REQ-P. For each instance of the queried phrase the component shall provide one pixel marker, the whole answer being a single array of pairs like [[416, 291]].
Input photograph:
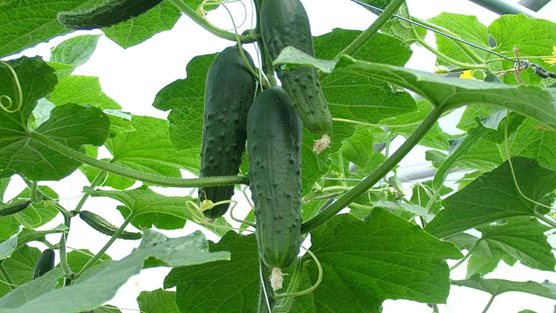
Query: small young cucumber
[[15, 208], [285, 23], [274, 147], [229, 92], [107, 14], [44, 264], [104, 227]]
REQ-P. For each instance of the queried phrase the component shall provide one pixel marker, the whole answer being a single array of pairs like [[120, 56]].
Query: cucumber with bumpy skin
[[104, 227], [44, 264], [107, 14], [14, 208], [274, 135], [285, 23], [229, 92]]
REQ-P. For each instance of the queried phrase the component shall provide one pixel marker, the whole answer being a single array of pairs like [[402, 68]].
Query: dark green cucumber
[[14, 208], [107, 14], [44, 264], [274, 135], [229, 92], [104, 227], [285, 23]]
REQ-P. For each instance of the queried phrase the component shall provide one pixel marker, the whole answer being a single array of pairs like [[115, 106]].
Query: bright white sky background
[[132, 77]]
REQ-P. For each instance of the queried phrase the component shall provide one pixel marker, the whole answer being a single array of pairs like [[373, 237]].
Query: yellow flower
[[467, 75], [551, 60]]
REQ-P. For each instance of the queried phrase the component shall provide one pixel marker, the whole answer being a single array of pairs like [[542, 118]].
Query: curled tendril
[[308, 290], [6, 102]]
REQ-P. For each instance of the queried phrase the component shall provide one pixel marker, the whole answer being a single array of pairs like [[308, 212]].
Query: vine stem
[[543, 218], [63, 252], [145, 177], [355, 45], [376, 175], [448, 59], [97, 180], [489, 303], [116, 235], [201, 21], [465, 257]]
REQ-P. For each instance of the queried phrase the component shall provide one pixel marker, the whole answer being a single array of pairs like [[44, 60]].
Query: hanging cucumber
[[44, 264], [107, 14], [229, 92], [14, 208], [104, 227], [274, 147], [285, 23]]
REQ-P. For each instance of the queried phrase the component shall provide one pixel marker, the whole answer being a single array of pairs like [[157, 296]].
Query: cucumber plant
[[245, 123]]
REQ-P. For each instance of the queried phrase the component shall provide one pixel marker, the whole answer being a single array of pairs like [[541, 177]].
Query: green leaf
[[79, 257], [35, 215], [445, 92], [224, 286], [137, 30], [151, 209], [499, 286], [185, 99], [20, 267], [107, 309], [73, 52], [107, 278], [147, 149], [7, 247], [360, 261], [520, 238], [531, 36], [27, 23], [536, 142], [463, 26], [405, 124], [494, 196], [32, 289], [71, 125], [84, 90], [157, 301]]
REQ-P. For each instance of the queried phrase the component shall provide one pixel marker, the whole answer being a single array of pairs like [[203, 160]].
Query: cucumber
[[274, 135], [229, 92], [285, 23], [14, 208], [44, 264], [107, 14], [104, 227]]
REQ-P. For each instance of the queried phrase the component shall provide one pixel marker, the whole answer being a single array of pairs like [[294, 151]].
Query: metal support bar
[[534, 5], [504, 7]]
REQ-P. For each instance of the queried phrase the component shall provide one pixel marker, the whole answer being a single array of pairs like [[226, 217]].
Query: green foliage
[[491, 191]]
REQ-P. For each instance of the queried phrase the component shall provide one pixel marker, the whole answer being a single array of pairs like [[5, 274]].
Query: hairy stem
[[112, 239], [201, 21], [376, 175], [148, 178], [355, 45]]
